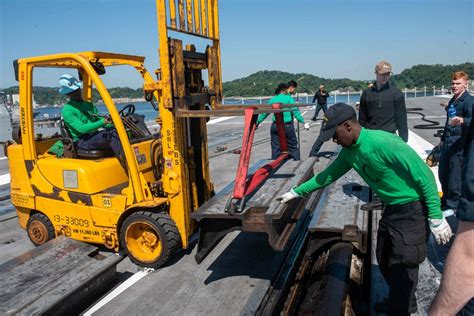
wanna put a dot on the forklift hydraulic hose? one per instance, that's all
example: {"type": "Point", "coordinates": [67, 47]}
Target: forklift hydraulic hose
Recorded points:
{"type": "Point", "coordinates": [431, 125]}
{"type": "Point", "coordinates": [156, 158]}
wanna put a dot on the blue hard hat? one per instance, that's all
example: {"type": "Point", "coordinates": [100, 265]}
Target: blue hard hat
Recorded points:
{"type": "Point", "coordinates": [68, 84]}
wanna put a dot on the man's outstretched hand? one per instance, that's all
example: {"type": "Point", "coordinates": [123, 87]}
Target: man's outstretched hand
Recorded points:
{"type": "Point", "coordinates": [288, 196]}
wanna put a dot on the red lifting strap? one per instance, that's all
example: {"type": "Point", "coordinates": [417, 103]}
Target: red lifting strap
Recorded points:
{"type": "Point", "coordinates": [249, 132]}
{"type": "Point", "coordinates": [244, 186]}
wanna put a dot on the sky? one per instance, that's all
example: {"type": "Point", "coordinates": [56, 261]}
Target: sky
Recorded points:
{"type": "Point", "coordinates": [329, 39]}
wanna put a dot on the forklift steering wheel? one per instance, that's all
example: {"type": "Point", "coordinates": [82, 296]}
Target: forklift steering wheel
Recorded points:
{"type": "Point", "coordinates": [127, 110]}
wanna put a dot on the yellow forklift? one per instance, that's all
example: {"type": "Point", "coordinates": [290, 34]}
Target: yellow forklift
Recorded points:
{"type": "Point", "coordinates": [87, 195]}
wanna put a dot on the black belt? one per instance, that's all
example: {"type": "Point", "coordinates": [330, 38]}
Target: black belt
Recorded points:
{"type": "Point", "coordinates": [403, 207]}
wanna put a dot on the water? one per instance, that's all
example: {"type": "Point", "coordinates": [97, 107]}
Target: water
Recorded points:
{"type": "Point", "coordinates": [150, 114]}
{"type": "Point", "coordinates": [305, 99]}
{"type": "Point", "coordinates": [146, 109]}
{"type": "Point", "coordinates": [143, 108]}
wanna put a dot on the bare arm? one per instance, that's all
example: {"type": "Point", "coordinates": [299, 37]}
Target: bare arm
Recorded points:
{"type": "Point", "coordinates": [457, 284]}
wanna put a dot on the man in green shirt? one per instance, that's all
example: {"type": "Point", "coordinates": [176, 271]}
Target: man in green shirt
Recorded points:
{"type": "Point", "coordinates": [83, 123]}
{"type": "Point", "coordinates": [407, 187]}
{"type": "Point", "coordinates": [281, 96]}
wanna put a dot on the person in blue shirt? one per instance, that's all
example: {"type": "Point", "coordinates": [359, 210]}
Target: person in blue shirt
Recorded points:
{"type": "Point", "coordinates": [456, 291]}
{"type": "Point", "coordinates": [454, 138]}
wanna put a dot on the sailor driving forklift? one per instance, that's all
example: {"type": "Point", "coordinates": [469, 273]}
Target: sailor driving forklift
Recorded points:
{"type": "Point", "coordinates": [83, 123]}
{"type": "Point", "coordinates": [407, 187]}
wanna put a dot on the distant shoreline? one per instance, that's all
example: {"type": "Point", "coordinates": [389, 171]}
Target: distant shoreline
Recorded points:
{"type": "Point", "coordinates": [123, 100]}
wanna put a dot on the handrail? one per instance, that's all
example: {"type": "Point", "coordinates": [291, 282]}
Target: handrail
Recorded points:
{"type": "Point", "coordinates": [237, 110]}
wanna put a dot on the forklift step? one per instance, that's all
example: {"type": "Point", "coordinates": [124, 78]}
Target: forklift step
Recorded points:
{"type": "Point", "coordinates": [261, 212]}
{"type": "Point", "coordinates": [55, 278]}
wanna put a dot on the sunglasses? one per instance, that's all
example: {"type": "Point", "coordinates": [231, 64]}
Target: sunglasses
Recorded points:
{"type": "Point", "coordinates": [386, 74]}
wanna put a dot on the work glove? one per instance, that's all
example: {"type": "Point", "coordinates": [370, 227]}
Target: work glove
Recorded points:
{"type": "Point", "coordinates": [306, 126]}
{"type": "Point", "coordinates": [441, 230]}
{"type": "Point", "coordinates": [288, 196]}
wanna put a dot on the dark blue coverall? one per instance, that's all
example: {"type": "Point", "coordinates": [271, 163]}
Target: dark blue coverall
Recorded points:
{"type": "Point", "coordinates": [451, 155]}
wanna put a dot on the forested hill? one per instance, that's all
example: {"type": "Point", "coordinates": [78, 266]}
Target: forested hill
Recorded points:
{"type": "Point", "coordinates": [51, 96]}
{"type": "Point", "coordinates": [431, 75]}
{"type": "Point", "coordinates": [265, 82]}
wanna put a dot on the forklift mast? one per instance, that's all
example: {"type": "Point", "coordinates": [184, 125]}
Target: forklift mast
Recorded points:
{"type": "Point", "coordinates": [186, 179]}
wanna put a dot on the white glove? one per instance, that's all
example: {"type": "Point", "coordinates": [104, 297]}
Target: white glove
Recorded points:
{"type": "Point", "coordinates": [288, 196]}
{"type": "Point", "coordinates": [441, 230]}
{"type": "Point", "coordinates": [306, 126]}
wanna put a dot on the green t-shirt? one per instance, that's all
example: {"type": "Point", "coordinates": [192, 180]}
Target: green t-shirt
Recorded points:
{"type": "Point", "coordinates": [389, 166]}
{"type": "Point", "coordinates": [287, 116]}
{"type": "Point", "coordinates": [80, 119]}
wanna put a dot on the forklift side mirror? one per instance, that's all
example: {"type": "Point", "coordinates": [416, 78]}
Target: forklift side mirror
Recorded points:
{"type": "Point", "coordinates": [98, 67]}
{"type": "Point", "coordinates": [15, 68]}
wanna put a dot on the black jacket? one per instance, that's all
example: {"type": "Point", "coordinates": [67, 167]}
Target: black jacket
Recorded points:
{"type": "Point", "coordinates": [384, 110]}
{"type": "Point", "coordinates": [322, 97]}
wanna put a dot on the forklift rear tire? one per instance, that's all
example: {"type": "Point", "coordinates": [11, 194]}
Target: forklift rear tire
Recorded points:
{"type": "Point", "coordinates": [149, 239]}
{"type": "Point", "coordinates": [40, 229]}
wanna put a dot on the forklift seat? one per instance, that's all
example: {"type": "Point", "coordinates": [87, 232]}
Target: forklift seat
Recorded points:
{"type": "Point", "coordinates": [70, 150]}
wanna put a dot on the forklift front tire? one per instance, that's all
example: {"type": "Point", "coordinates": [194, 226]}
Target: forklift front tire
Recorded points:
{"type": "Point", "coordinates": [40, 229]}
{"type": "Point", "coordinates": [149, 239]}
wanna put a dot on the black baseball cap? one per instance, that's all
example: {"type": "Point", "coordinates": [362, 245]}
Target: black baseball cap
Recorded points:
{"type": "Point", "coordinates": [335, 115]}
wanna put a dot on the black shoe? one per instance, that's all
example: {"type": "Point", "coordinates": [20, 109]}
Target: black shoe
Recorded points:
{"type": "Point", "coordinates": [384, 308]}
{"type": "Point", "coordinates": [376, 204]}
{"type": "Point", "coordinates": [313, 119]}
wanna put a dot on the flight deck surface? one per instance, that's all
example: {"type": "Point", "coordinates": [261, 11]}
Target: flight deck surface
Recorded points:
{"type": "Point", "coordinates": [235, 276]}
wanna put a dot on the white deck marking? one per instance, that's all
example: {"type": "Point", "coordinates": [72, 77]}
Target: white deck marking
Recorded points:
{"type": "Point", "coordinates": [423, 148]}
{"type": "Point", "coordinates": [122, 287]}
{"type": "Point", "coordinates": [3, 158]}
{"type": "Point", "coordinates": [220, 119]}
{"type": "Point", "coordinates": [4, 179]}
